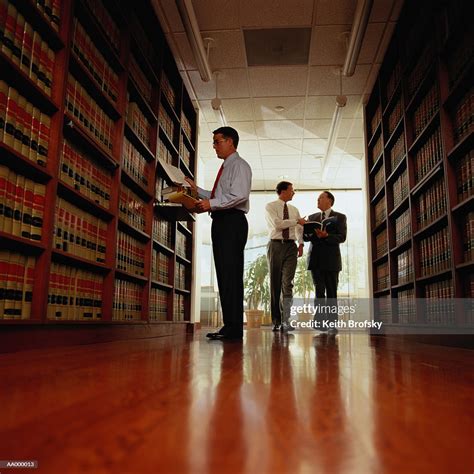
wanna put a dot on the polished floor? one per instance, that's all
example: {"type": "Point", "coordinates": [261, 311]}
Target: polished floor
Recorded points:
{"type": "Point", "coordinates": [272, 404]}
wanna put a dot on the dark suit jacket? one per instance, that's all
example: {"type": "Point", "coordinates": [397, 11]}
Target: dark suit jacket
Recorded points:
{"type": "Point", "coordinates": [324, 254]}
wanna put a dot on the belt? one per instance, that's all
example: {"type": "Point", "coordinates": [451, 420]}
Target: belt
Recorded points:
{"type": "Point", "coordinates": [226, 212]}
{"type": "Point", "coordinates": [283, 241]}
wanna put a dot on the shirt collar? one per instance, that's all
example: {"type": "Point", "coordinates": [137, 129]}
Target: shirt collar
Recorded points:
{"type": "Point", "coordinates": [230, 158]}
{"type": "Point", "coordinates": [327, 212]}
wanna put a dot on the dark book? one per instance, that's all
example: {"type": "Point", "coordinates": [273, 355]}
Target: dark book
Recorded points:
{"type": "Point", "coordinates": [310, 227]}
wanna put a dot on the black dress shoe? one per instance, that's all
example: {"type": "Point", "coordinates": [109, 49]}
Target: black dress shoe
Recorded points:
{"type": "Point", "coordinates": [276, 327]}
{"type": "Point", "coordinates": [213, 335]}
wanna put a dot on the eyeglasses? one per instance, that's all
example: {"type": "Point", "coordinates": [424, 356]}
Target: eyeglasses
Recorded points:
{"type": "Point", "coordinates": [216, 142]}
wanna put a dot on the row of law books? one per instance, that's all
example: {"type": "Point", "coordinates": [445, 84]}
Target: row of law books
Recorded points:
{"type": "Point", "coordinates": [406, 306]}
{"type": "Point", "coordinates": [468, 237]}
{"type": "Point", "coordinates": [79, 233]}
{"type": "Point", "coordinates": [394, 117]}
{"type": "Point", "coordinates": [186, 125]}
{"type": "Point", "coordinates": [106, 22]}
{"type": "Point", "coordinates": [375, 120]}
{"type": "Point", "coordinates": [164, 154]}
{"type": "Point", "coordinates": [376, 150]}
{"type": "Point", "coordinates": [381, 244]}
{"type": "Point", "coordinates": [185, 153]}
{"type": "Point", "coordinates": [382, 277]}
{"type": "Point", "coordinates": [423, 63]}
{"type": "Point", "coordinates": [428, 155]}
{"type": "Point", "coordinates": [166, 122]}
{"type": "Point", "coordinates": [135, 164]}
{"type": "Point", "coordinates": [383, 309]}
{"type": "Point", "coordinates": [89, 55]}
{"type": "Point", "coordinates": [181, 241]}
{"type": "Point", "coordinates": [440, 310]}
{"type": "Point", "coordinates": [428, 107]}
{"type": "Point", "coordinates": [464, 174]}
{"type": "Point", "coordinates": [23, 126]}
{"type": "Point", "coordinates": [435, 253]}
{"type": "Point", "coordinates": [403, 228]}
{"type": "Point", "coordinates": [140, 79]}
{"type": "Point", "coordinates": [168, 90]}
{"type": "Point", "coordinates": [400, 189]}
{"type": "Point", "coordinates": [379, 180]}
{"type": "Point", "coordinates": [51, 9]}
{"type": "Point", "coordinates": [404, 267]}
{"type": "Point", "coordinates": [130, 255]}
{"type": "Point", "coordinates": [158, 304]}
{"type": "Point", "coordinates": [397, 152]}
{"type": "Point", "coordinates": [22, 203]}
{"type": "Point", "coordinates": [90, 115]}
{"type": "Point", "coordinates": [138, 123]}
{"type": "Point", "coordinates": [132, 209]}
{"type": "Point", "coordinates": [127, 304]}
{"type": "Point", "coordinates": [180, 276]}
{"type": "Point", "coordinates": [17, 274]}
{"type": "Point", "coordinates": [393, 80]}
{"type": "Point", "coordinates": [160, 264]}
{"type": "Point", "coordinates": [464, 116]}
{"type": "Point", "coordinates": [86, 177]}
{"type": "Point", "coordinates": [163, 232]}
{"type": "Point", "coordinates": [74, 294]}
{"type": "Point", "coordinates": [178, 307]}
{"type": "Point", "coordinates": [431, 204]}
{"type": "Point", "coordinates": [380, 212]}
{"type": "Point", "coordinates": [25, 47]}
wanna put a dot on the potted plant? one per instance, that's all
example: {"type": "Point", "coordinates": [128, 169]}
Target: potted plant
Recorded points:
{"type": "Point", "coordinates": [257, 293]}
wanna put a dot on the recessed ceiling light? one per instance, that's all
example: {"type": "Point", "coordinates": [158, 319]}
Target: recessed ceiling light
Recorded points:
{"type": "Point", "coordinates": [279, 108]}
{"type": "Point", "coordinates": [318, 157]}
{"type": "Point", "coordinates": [283, 176]}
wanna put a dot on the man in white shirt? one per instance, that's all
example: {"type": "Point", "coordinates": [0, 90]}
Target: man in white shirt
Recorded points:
{"type": "Point", "coordinates": [285, 226]}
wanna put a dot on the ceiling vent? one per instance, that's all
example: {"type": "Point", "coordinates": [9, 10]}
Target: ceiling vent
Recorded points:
{"type": "Point", "coordinates": [277, 46]}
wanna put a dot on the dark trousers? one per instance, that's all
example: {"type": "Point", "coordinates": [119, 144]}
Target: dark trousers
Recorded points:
{"type": "Point", "coordinates": [229, 235]}
{"type": "Point", "coordinates": [282, 259]}
{"type": "Point", "coordinates": [325, 284]}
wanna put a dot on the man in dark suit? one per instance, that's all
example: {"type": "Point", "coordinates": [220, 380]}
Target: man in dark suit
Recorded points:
{"type": "Point", "coordinates": [324, 258]}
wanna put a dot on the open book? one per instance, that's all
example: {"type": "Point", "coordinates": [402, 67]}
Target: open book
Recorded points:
{"type": "Point", "coordinates": [310, 227]}
{"type": "Point", "coordinates": [182, 195]}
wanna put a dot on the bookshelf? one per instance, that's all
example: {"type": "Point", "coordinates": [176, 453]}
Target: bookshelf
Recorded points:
{"type": "Point", "coordinates": [420, 158]}
{"type": "Point", "coordinates": [91, 102]}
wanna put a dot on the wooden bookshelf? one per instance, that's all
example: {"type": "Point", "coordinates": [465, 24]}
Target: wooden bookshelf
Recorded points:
{"type": "Point", "coordinates": [109, 105]}
{"type": "Point", "coordinates": [420, 159]}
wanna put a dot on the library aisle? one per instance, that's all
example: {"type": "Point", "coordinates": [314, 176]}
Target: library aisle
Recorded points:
{"type": "Point", "coordinates": [296, 403]}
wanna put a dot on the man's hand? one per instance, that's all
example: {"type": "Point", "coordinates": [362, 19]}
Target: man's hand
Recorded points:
{"type": "Point", "coordinates": [302, 221]}
{"type": "Point", "coordinates": [300, 250]}
{"type": "Point", "coordinates": [203, 206]}
{"type": "Point", "coordinates": [322, 234]}
{"type": "Point", "coordinates": [191, 183]}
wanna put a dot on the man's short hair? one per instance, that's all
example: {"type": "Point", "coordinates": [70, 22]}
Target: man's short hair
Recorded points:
{"type": "Point", "coordinates": [282, 186]}
{"type": "Point", "coordinates": [229, 132]}
{"type": "Point", "coordinates": [330, 196]}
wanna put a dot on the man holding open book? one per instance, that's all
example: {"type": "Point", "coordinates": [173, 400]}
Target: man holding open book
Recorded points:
{"type": "Point", "coordinates": [326, 230]}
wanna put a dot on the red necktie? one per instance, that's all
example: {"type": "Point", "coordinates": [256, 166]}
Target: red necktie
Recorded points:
{"type": "Point", "coordinates": [218, 177]}
{"type": "Point", "coordinates": [286, 232]}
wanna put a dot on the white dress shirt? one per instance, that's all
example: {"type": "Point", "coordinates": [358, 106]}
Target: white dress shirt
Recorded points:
{"type": "Point", "coordinates": [276, 223]}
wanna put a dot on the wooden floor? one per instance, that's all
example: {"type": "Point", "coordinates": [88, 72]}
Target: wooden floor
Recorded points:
{"type": "Point", "coordinates": [272, 404]}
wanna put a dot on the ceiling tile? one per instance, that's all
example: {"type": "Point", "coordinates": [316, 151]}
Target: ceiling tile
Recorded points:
{"type": "Point", "coordinates": [323, 81]}
{"type": "Point", "coordinates": [279, 162]}
{"type": "Point", "coordinates": [235, 110]}
{"type": "Point", "coordinates": [246, 130]}
{"type": "Point", "coordinates": [356, 83]}
{"type": "Point", "coordinates": [327, 46]}
{"type": "Point", "coordinates": [351, 145]}
{"type": "Point", "coordinates": [320, 107]}
{"type": "Point", "coordinates": [227, 50]}
{"type": "Point", "coordinates": [309, 162]}
{"type": "Point", "coordinates": [249, 148]}
{"type": "Point", "coordinates": [279, 129]}
{"type": "Point", "coordinates": [258, 184]}
{"type": "Point", "coordinates": [317, 128]}
{"type": "Point", "coordinates": [217, 14]}
{"type": "Point", "coordinates": [276, 13]}
{"type": "Point", "coordinates": [264, 108]}
{"type": "Point", "coordinates": [335, 12]}
{"type": "Point", "coordinates": [278, 81]}
{"type": "Point", "coordinates": [314, 146]}
{"type": "Point", "coordinates": [280, 147]}
{"type": "Point", "coordinates": [279, 174]}
{"type": "Point", "coordinates": [232, 83]}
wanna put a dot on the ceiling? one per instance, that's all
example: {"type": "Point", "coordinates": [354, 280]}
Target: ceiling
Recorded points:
{"type": "Point", "coordinates": [290, 143]}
